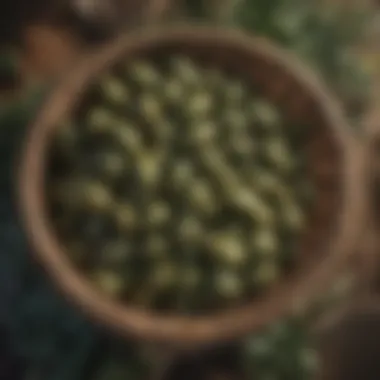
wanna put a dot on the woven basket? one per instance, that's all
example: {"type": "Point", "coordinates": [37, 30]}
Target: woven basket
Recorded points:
{"type": "Point", "coordinates": [337, 164]}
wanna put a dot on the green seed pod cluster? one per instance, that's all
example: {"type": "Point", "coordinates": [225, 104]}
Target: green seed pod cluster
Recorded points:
{"type": "Point", "coordinates": [177, 186]}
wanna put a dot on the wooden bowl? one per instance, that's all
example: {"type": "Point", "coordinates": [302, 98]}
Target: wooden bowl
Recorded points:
{"type": "Point", "coordinates": [337, 164]}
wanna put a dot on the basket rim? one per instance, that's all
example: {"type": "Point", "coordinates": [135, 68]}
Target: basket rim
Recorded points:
{"type": "Point", "coordinates": [180, 330]}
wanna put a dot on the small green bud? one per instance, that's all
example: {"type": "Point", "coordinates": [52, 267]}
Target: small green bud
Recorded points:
{"type": "Point", "coordinates": [202, 197]}
{"type": "Point", "coordinates": [174, 90]}
{"type": "Point", "coordinates": [114, 91]}
{"type": "Point", "coordinates": [182, 173]}
{"type": "Point", "coordinates": [235, 91]}
{"type": "Point", "coordinates": [144, 74]}
{"type": "Point", "coordinates": [235, 119]}
{"type": "Point", "coordinates": [293, 216]}
{"type": "Point", "coordinates": [96, 196]}
{"type": "Point", "coordinates": [228, 285]}
{"type": "Point", "coordinates": [261, 211]}
{"type": "Point", "coordinates": [242, 144]}
{"type": "Point", "coordinates": [159, 213]}
{"type": "Point", "coordinates": [200, 105]}
{"type": "Point", "coordinates": [277, 152]}
{"type": "Point", "coordinates": [266, 114]}
{"type": "Point", "coordinates": [101, 120]}
{"type": "Point", "coordinates": [265, 181]}
{"type": "Point", "coordinates": [190, 229]}
{"type": "Point", "coordinates": [228, 248]}
{"type": "Point", "coordinates": [203, 132]}
{"type": "Point", "coordinates": [128, 136]}
{"type": "Point", "coordinates": [84, 194]}
{"type": "Point", "coordinates": [150, 107]}
{"type": "Point", "coordinates": [186, 70]}
{"type": "Point", "coordinates": [264, 242]}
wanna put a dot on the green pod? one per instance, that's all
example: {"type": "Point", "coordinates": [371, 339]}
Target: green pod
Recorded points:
{"type": "Point", "coordinates": [228, 248]}
{"type": "Point", "coordinates": [242, 197]}
{"type": "Point", "coordinates": [190, 229]}
{"type": "Point", "coordinates": [84, 194]}
{"type": "Point", "coordinates": [174, 91]}
{"type": "Point", "coordinates": [144, 74]}
{"type": "Point", "coordinates": [150, 107]}
{"type": "Point", "coordinates": [127, 134]}
{"type": "Point", "coordinates": [203, 132]}
{"type": "Point", "coordinates": [96, 196]}
{"type": "Point", "coordinates": [292, 214]}
{"type": "Point", "coordinates": [277, 153]}
{"type": "Point", "coordinates": [186, 70]}
{"type": "Point", "coordinates": [114, 91]}
{"type": "Point", "coordinates": [100, 120]}
{"type": "Point", "coordinates": [265, 243]}
{"type": "Point", "coordinates": [266, 181]}
{"type": "Point", "coordinates": [202, 197]}
{"type": "Point", "coordinates": [228, 285]}
{"type": "Point", "coordinates": [149, 166]}
{"type": "Point", "coordinates": [182, 173]}
{"type": "Point", "coordinates": [199, 105]}
{"type": "Point", "coordinates": [235, 91]}
{"type": "Point", "coordinates": [235, 119]}
{"type": "Point", "coordinates": [159, 213]}
{"type": "Point", "coordinates": [265, 115]}
{"type": "Point", "coordinates": [242, 144]}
